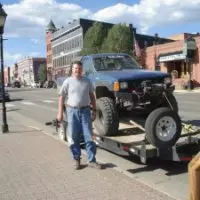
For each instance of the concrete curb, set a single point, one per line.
(187, 91)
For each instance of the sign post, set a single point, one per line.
(189, 49)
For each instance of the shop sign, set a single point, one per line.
(189, 46)
(180, 56)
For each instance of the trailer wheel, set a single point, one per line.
(163, 127)
(107, 121)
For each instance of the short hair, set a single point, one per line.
(78, 63)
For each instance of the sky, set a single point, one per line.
(24, 32)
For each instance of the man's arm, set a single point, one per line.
(93, 100)
(92, 95)
(60, 108)
(62, 95)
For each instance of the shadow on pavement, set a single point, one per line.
(18, 99)
(172, 168)
(23, 131)
(14, 109)
(108, 165)
(83, 166)
(194, 122)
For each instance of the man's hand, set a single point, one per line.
(60, 117)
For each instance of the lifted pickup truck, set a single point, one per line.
(121, 85)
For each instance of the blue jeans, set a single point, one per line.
(80, 122)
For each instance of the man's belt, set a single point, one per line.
(78, 107)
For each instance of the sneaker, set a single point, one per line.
(77, 164)
(95, 165)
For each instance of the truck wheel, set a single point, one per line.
(173, 102)
(107, 121)
(163, 127)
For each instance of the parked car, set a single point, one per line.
(36, 85)
(16, 84)
(50, 84)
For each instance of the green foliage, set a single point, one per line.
(42, 73)
(93, 39)
(119, 40)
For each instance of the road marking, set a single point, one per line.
(28, 103)
(186, 91)
(48, 101)
(8, 105)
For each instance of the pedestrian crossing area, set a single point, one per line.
(30, 103)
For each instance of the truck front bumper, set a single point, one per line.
(130, 99)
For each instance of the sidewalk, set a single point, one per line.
(36, 166)
(195, 90)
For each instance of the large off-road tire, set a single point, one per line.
(107, 120)
(163, 127)
(172, 101)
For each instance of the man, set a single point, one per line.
(80, 93)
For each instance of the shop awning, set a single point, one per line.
(171, 56)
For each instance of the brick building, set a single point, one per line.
(51, 28)
(65, 43)
(14, 73)
(27, 69)
(170, 57)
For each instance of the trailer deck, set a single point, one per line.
(130, 140)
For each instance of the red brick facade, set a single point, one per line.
(7, 76)
(180, 65)
(49, 55)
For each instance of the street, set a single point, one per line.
(35, 107)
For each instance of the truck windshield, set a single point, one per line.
(114, 62)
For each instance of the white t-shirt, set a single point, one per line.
(77, 91)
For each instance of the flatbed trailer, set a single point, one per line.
(130, 140)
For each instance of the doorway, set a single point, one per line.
(176, 66)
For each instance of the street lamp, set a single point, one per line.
(3, 16)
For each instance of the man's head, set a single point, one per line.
(77, 69)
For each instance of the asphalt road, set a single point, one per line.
(37, 106)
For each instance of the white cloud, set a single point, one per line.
(11, 58)
(149, 13)
(35, 54)
(30, 17)
(35, 41)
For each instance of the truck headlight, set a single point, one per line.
(123, 85)
(167, 80)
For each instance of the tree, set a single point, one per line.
(119, 40)
(93, 39)
(42, 73)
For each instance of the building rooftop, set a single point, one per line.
(51, 26)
